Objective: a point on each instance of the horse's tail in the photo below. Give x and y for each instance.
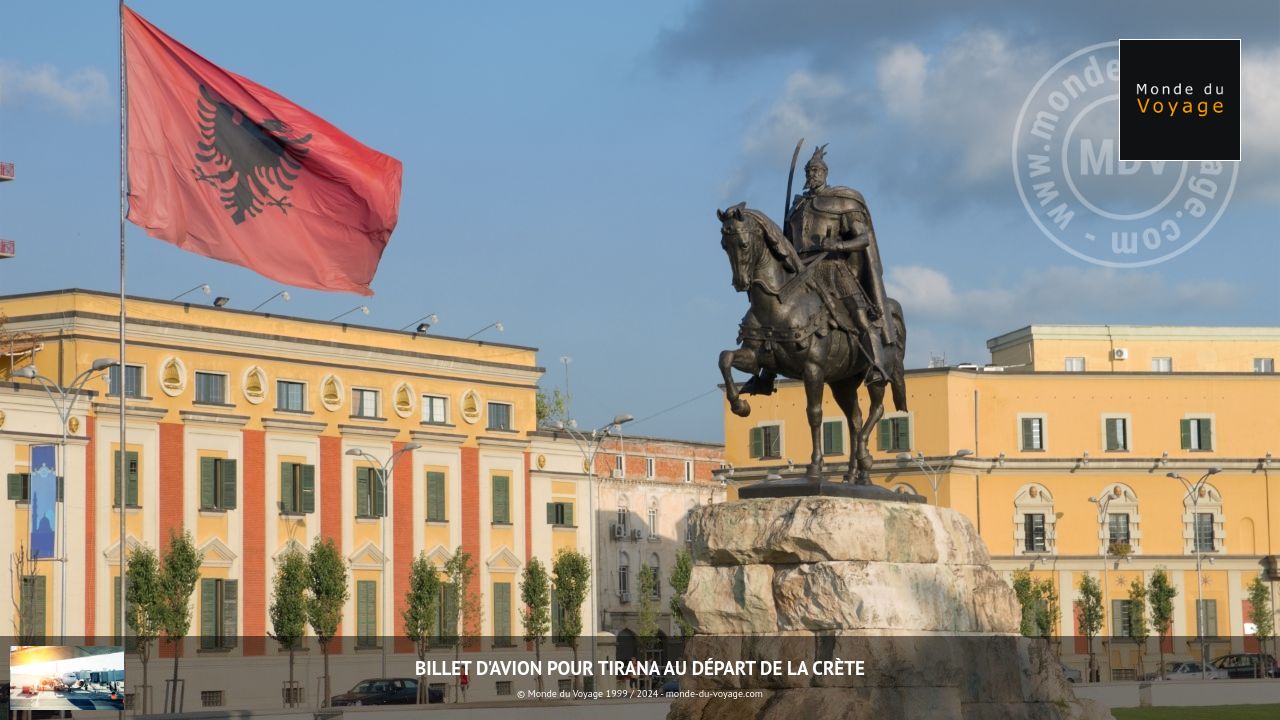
(897, 379)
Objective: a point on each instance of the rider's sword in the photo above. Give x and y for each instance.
(786, 208)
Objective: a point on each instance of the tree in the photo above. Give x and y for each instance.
(24, 566)
(553, 406)
(464, 610)
(1139, 631)
(1161, 594)
(1039, 602)
(179, 573)
(647, 613)
(1260, 613)
(144, 609)
(288, 609)
(421, 607)
(571, 573)
(535, 593)
(1090, 607)
(328, 594)
(680, 574)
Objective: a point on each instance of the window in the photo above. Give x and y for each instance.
(371, 493)
(895, 434)
(502, 614)
(501, 499)
(1117, 433)
(211, 698)
(217, 484)
(766, 441)
(619, 465)
(833, 438)
(564, 685)
(1074, 364)
(688, 471)
(1205, 541)
(560, 513)
(291, 396)
(1207, 618)
(132, 380)
(624, 581)
(557, 619)
(364, 403)
(1032, 434)
(211, 388)
(1264, 365)
(447, 615)
(1034, 532)
(435, 409)
(1120, 618)
(366, 613)
(502, 687)
(131, 485)
(499, 416)
(32, 610)
(1162, 364)
(657, 578)
(435, 497)
(218, 613)
(653, 523)
(1196, 433)
(297, 488)
(622, 519)
(649, 468)
(1118, 528)
(20, 487)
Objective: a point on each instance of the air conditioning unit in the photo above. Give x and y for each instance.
(624, 596)
(636, 534)
(1271, 567)
(1120, 354)
(618, 474)
(619, 531)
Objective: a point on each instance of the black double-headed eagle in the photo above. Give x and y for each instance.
(248, 157)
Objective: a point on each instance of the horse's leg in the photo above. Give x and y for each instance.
(743, 359)
(846, 395)
(813, 387)
(875, 391)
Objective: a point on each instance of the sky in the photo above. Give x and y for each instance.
(563, 163)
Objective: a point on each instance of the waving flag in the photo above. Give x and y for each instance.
(223, 167)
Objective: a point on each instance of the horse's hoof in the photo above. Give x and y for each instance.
(864, 478)
(740, 407)
(849, 478)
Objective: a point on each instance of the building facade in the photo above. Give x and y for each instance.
(1060, 454)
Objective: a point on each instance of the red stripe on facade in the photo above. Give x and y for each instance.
(331, 505)
(253, 504)
(172, 479)
(402, 540)
(528, 510)
(470, 460)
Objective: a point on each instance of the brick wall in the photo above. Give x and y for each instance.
(171, 483)
(402, 542)
(253, 521)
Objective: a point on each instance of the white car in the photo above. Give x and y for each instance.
(1188, 670)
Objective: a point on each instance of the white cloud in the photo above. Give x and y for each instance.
(901, 75)
(76, 93)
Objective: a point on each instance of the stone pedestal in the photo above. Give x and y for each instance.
(906, 588)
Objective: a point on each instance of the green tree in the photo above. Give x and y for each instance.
(1139, 630)
(1038, 600)
(681, 571)
(421, 606)
(1260, 613)
(553, 406)
(571, 578)
(465, 608)
(328, 594)
(535, 593)
(144, 610)
(288, 609)
(647, 611)
(1090, 607)
(1161, 594)
(179, 573)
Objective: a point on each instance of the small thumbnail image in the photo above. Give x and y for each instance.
(66, 677)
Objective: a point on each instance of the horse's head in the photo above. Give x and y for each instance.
(739, 236)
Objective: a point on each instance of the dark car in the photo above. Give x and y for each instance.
(1248, 665)
(385, 691)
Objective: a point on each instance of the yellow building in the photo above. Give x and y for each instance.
(260, 434)
(1059, 462)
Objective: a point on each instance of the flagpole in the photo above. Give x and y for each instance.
(121, 374)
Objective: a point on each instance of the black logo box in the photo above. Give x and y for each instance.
(1187, 68)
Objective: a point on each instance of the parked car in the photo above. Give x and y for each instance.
(1246, 665)
(1072, 674)
(670, 686)
(385, 691)
(1187, 670)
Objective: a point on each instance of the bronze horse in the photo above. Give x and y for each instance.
(791, 330)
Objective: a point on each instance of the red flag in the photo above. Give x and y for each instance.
(223, 167)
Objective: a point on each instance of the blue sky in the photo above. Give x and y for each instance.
(563, 162)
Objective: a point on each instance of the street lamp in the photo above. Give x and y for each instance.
(424, 323)
(64, 401)
(202, 286)
(589, 458)
(934, 474)
(495, 325)
(382, 470)
(361, 308)
(283, 295)
(1193, 491)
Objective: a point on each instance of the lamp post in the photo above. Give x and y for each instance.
(1193, 491)
(589, 459)
(495, 325)
(934, 474)
(64, 401)
(382, 470)
(1102, 504)
(283, 295)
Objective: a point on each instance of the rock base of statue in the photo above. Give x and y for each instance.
(804, 487)
(905, 588)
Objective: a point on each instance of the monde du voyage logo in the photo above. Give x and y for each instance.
(1130, 162)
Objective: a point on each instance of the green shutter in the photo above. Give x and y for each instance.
(757, 442)
(450, 610)
(230, 613)
(15, 486)
(32, 611)
(832, 438)
(1028, 434)
(61, 488)
(435, 496)
(366, 612)
(115, 479)
(883, 438)
(115, 609)
(208, 483)
(1113, 435)
(286, 488)
(502, 613)
(501, 498)
(362, 492)
(378, 486)
(1206, 433)
(551, 513)
(1184, 427)
(308, 488)
(208, 613)
(229, 484)
(901, 433)
(555, 615)
(568, 513)
(131, 485)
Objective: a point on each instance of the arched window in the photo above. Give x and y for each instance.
(1202, 522)
(653, 518)
(623, 521)
(1033, 521)
(656, 564)
(1120, 532)
(904, 488)
(624, 576)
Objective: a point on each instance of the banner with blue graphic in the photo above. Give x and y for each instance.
(44, 500)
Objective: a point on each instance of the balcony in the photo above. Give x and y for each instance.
(6, 171)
